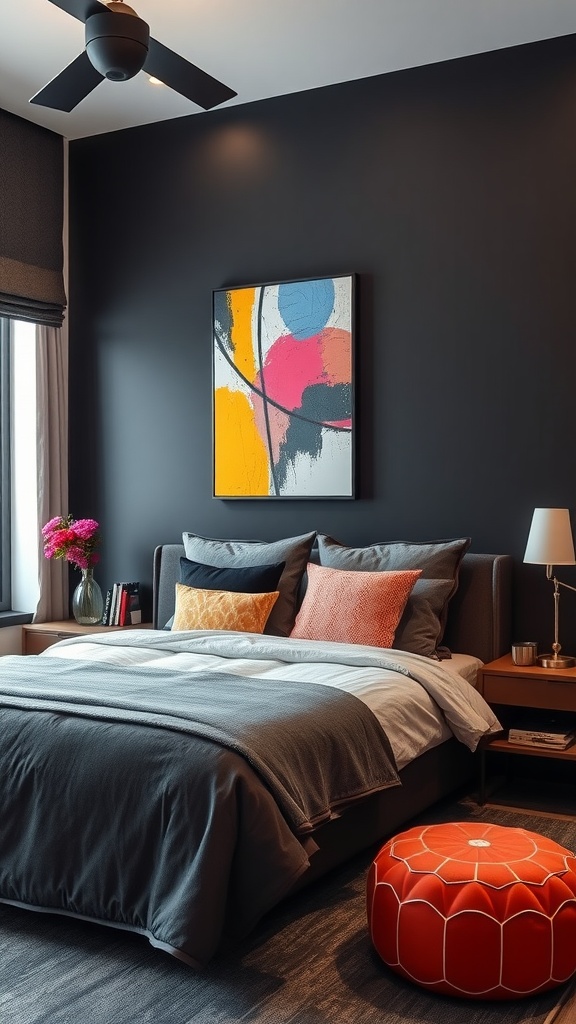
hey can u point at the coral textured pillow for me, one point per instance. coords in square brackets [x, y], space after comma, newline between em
[351, 607]
[221, 609]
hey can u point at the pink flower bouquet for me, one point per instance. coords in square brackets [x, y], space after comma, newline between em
[73, 539]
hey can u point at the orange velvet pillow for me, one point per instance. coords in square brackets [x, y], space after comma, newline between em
[221, 609]
[353, 607]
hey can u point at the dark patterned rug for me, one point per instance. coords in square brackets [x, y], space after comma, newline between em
[310, 962]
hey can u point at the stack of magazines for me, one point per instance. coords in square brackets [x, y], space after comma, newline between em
[553, 730]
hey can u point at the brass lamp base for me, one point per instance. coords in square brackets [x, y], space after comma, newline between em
[555, 661]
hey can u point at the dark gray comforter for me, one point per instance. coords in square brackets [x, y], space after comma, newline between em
[160, 801]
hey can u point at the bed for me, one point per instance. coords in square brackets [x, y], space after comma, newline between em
[132, 796]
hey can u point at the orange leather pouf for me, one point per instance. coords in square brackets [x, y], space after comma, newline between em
[475, 910]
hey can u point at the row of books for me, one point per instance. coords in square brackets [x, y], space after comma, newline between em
[122, 605]
[555, 731]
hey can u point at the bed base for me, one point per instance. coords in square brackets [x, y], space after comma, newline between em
[433, 776]
[478, 624]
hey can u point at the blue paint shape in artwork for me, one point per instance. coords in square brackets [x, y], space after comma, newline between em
[306, 306]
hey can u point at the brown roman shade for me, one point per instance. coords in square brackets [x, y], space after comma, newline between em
[31, 222]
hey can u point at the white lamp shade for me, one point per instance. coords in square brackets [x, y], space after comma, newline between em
[550, 540]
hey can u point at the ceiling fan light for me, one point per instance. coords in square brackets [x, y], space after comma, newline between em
[117, 44]
[119, 8]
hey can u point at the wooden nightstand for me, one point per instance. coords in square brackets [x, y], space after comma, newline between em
[510, 688]
[37, 636]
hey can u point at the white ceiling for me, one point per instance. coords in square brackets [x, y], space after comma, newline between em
[260, 48]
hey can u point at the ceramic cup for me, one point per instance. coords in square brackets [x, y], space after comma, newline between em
[524, 652]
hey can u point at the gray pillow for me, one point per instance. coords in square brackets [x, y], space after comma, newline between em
[231, 554]
[421, 628]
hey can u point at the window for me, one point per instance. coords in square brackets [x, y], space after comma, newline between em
[18, 470]
[5, 478]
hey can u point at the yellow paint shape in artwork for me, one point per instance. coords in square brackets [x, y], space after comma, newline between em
[240, 459]
[241, 305]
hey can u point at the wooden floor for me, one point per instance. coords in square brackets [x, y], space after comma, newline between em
[308, 961]
[565, 1012]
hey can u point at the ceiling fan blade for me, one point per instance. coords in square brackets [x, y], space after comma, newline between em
[80, 9]
[182, 76]
[69, 87]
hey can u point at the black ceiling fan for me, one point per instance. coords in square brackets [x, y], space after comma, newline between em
[118, 46]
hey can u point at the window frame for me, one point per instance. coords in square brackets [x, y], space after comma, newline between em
[5, 466]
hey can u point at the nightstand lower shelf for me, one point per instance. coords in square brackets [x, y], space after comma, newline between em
[513, 690]
[518, 791]
[503, 746]
[506, 747]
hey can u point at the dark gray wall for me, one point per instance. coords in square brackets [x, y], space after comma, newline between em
[451, 191]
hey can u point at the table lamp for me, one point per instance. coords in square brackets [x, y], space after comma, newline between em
[550, 543]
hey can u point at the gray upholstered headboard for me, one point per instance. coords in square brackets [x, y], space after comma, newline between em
[166, 573]
[479, 620]
[480, 613]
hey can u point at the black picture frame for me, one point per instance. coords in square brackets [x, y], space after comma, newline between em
[283, 388]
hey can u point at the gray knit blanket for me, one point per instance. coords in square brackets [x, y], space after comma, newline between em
[317, 748]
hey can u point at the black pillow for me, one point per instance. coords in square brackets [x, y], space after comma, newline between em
[250, 579]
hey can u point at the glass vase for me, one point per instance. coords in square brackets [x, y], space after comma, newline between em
[87, 602]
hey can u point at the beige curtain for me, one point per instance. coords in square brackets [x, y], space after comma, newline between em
[52, 462]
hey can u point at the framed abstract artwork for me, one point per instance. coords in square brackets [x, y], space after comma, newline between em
[283, 381]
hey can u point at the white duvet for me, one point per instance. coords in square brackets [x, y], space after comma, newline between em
[418, 701]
